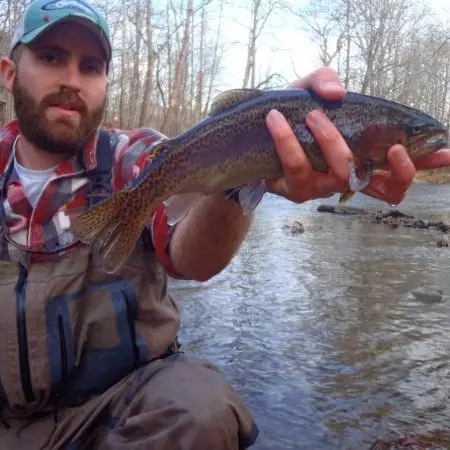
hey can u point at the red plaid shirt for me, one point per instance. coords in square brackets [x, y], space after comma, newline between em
[46, 227]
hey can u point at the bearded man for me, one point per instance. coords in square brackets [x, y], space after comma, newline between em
[90, 359]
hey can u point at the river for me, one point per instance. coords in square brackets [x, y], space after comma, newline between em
[334, 337]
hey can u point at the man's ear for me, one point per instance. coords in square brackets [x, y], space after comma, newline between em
[8, 72]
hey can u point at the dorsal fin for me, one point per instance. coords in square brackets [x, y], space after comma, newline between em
[232, 97]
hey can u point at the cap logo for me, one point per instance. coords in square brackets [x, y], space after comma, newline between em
[78, 5]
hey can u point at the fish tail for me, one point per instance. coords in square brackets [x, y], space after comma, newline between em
[112, 228]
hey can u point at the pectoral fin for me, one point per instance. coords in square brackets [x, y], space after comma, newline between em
[249, 196]
[177, 206]
[359, 178]
[346, 195]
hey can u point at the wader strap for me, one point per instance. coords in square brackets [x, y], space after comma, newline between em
[100, 180]
[100, 177]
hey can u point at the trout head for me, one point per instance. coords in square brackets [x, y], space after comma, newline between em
[419, 133]
[424, 135]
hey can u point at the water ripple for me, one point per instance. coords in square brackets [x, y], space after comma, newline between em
[333, 337]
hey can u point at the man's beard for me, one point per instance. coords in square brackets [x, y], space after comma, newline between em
[59, 136]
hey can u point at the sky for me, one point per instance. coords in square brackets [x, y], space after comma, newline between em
[280, 49]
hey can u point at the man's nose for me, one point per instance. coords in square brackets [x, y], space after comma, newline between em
[72, 77]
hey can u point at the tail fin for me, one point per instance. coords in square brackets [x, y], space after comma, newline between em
[111, 228]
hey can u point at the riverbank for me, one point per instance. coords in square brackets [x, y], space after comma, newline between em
[438, 176]
[393, 217]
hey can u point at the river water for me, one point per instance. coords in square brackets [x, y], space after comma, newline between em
[334, 337]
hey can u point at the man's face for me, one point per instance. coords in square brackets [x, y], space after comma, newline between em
[59, 89]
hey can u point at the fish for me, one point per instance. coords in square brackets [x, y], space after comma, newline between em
[231, 151]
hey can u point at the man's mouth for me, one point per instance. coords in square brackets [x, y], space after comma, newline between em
[66, 106]
[66, 110]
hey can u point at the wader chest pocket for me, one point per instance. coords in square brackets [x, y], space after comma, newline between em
[91, 339]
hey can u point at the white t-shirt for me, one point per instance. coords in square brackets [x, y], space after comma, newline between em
[33, 181]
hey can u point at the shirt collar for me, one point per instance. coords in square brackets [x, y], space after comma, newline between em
[8, 141]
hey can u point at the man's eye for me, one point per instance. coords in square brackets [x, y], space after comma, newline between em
[92, 68]
[49, 57]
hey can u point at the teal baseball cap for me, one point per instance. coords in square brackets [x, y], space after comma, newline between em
[41, 15]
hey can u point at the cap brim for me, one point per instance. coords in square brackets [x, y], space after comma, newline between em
[77, 18]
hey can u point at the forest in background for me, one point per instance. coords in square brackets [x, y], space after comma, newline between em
[171, 56]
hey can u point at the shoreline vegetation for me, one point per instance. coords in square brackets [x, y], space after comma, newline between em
[438, 176]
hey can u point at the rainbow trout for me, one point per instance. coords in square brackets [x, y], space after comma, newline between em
[232, 149]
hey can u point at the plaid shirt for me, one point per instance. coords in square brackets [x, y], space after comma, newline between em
[46, 228]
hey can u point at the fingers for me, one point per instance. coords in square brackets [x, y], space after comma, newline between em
[436, 160]
[299, 181]
[295, 164]
[392, 186]
[324, 81]
[332, 144]
[292, 158]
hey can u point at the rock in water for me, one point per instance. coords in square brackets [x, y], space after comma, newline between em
[443, 241]
[340, 209]
[295, 228]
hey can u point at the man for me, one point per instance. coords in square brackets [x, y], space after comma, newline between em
[90, 359]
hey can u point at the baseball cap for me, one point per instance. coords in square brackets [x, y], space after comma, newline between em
[41, 15]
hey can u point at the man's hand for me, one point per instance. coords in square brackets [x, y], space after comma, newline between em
[300, 182]
[392, 184]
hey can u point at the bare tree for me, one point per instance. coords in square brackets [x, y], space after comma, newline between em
[180, 71]
[148, 80]
[260, 13]
[387, 48]
[323, 22]
[168, 56]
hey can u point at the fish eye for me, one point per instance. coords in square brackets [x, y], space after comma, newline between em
[416, 129]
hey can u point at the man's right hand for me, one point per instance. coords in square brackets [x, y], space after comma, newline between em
[301, 183]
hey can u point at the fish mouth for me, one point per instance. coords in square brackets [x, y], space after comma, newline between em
[436, 142]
